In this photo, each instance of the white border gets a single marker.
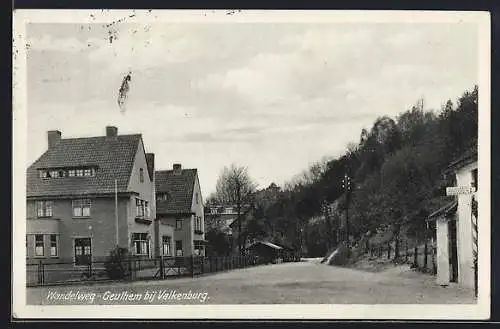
(303, 311)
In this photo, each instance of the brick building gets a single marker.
(87, 195)
(179, 204)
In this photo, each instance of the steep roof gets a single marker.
(179, 189)
(112, 156)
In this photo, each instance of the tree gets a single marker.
(218, 242)
(236, 188)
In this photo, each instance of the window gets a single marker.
(178, 224)
(163, 197)
(166, 245)
(198, 248)
(141, 175)
(79, 172)
(53, 245)
(197, 224)
(81, 208)
(196, 197)
(44, 208)
(39, 247)
(87, 172)
(72, 173)
(178, 248)
(27, 249)
(141, 243)
(142, 208)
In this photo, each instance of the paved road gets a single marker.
(306, 282)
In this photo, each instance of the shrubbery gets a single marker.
(116, 264)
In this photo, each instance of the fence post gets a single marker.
(192, 265)
(406, 251)
(129, 264)
(425, 255)
(40, 273)
(434, 263)
(380, 251)
(162, 271)
(389, 250)
(415, 257)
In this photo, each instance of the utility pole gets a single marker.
(346, 185)
(117, 241)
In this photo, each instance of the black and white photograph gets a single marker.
(251, 164)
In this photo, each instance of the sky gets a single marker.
(272, 97)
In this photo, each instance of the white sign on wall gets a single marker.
(457, 190)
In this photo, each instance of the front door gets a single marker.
(453, 254)
(83, 251)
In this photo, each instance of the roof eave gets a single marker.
(80, 195)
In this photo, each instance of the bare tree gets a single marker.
(235, 187)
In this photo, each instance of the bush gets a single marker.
(116, 264)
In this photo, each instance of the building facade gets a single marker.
(180, 206)
(85, 196)
(456, 227)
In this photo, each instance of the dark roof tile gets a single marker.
(178, 187)
(112, 156)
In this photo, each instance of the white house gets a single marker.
(456, 225)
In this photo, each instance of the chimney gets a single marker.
(177, 168)
(150, 161)
(111, 131)
(53, 137)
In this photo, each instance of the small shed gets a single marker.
(267, 251)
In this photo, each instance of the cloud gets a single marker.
(66, 45)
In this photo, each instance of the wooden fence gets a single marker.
(421, 257)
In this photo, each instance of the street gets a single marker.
(307, 282)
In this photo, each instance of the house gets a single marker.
(179, 204)
(85, 196)
(219, 218)
(456, 225)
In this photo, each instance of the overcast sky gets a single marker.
(273, 97)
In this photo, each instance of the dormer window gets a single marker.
(141, 175)
(73, 172)
(162, 197)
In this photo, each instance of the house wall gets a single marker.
(464, 227)
(146, 190)
(443, 260)
(185, 234)
(198, 210)
(100, 226)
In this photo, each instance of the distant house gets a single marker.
(87, 195)
(179, 204)
(219, 218)
(456, 226)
